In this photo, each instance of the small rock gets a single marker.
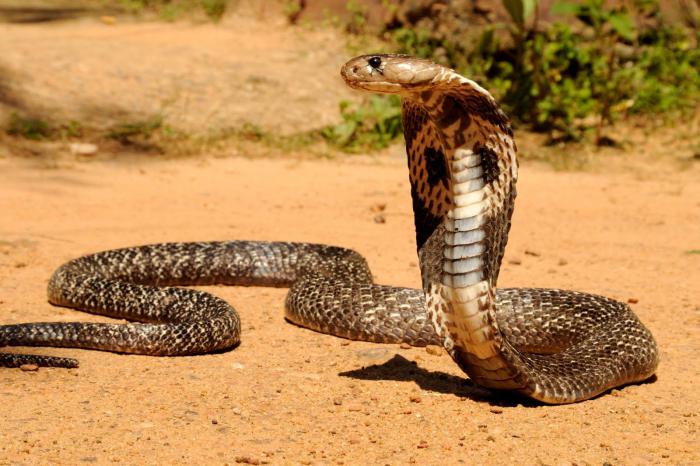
(344, 343)
(632, 300)
(434, 350)
(29, 367)
(422, 444)
(378, 207)
(247, 460)
(415, 399)
(530, 252)
(496, 410)
(82, 148)
(562, 262)
(237, 365)
(214, 421)
(236, 411)
(515, 261)
(379, 218)
(490, 438)
(405, 346)
(337, 401)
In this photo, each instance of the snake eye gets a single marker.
(375, 62)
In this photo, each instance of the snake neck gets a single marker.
(462, 169)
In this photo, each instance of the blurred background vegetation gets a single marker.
(570, 69)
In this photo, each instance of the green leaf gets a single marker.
(519, 10)
(622, 24)
(694, 251)
(565, 8)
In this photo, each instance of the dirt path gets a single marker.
(199, 77)
(289, 395)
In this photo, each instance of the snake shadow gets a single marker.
(400, 369)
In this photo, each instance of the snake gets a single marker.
(554, 346)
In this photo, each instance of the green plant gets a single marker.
(72, 129)
(373, 124)
(558, 79)
(135, 132)
(357, 23)
(214, 9)
(565, 78)
(292, 9)
(416, 42)
(28, 127)
(170, 10)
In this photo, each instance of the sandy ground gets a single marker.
(287, 395)
(290, 395)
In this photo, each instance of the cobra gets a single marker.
(552, 345)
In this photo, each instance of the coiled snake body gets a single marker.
(552, 345)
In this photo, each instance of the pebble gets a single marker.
(530, 252)
(82, 148)
(422, 444)
(237, 365)
(515, 261)
(434, 350)
(29, 367)
(378, 207)
(632, 300)
(247, 460)
(405, 346)
(496, 410)
(379, 218)
(562, 262)
(337, 401)
(236, 411)
(415, 399)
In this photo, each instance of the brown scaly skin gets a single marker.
(566, 346)
(556, 346)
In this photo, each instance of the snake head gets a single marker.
(390, 74)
